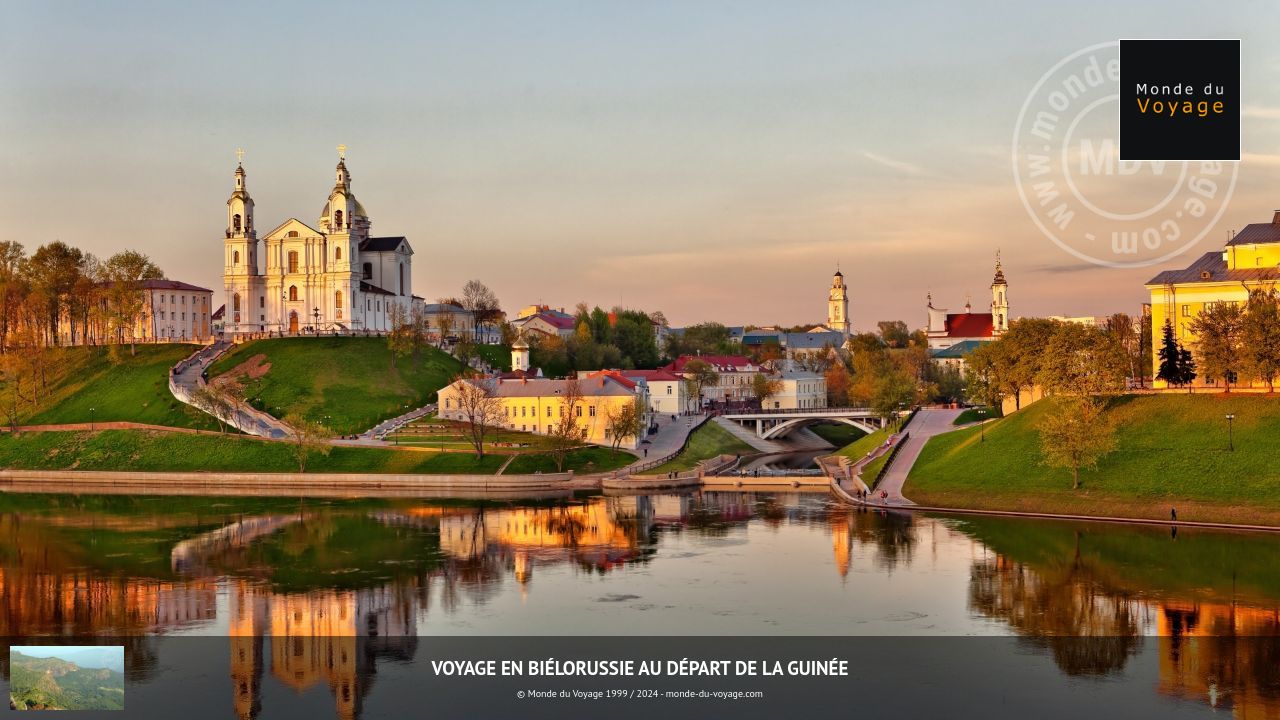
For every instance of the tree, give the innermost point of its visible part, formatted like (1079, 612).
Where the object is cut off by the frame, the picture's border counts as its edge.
(54, 270)
(1075, 435)
(1081, 360)
(479, 407)
(894, 391)
(1260, 336)
(698, 375)
(627, 420)
(1120, 327)
(309, 438)
(837, 385)
(1186, 367)
(481, 302)
(1219, 349)
(565, 433)
(894, 333)
(13, 288)
(1170, 356)
(126, 297)
(981, 383)
(214, 403)
(764, 387)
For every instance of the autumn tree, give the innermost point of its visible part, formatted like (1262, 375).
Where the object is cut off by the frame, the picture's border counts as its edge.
(1081, 360)
(624, 421)
(698, 376)
(124, 274)
(837, 385)
(1260, 336)
(764, 387)
(210, 401)
(1076, 435)
(308, 438)
(1219, 347)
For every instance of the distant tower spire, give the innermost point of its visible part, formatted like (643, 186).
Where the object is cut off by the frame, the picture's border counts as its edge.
(999, 300)
(838, 304)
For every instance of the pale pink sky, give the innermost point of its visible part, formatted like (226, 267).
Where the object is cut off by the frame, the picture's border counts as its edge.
(711, 160)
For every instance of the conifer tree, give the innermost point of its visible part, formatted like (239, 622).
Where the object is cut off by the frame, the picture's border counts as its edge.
(1170, 356)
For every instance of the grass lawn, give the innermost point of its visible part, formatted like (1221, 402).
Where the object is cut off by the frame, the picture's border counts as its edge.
(132, 388)
(159, 452)
(863, 445)
(873, 467)
(585, 460)
(347, 384)
(707, 441)
(838, 434)
(1171, 451)
(972, 415)
(498, 356)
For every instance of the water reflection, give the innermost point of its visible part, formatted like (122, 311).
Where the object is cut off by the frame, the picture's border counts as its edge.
(318, 594)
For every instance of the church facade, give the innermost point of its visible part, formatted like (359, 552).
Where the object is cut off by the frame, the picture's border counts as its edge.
(946, 329)
(334, 277)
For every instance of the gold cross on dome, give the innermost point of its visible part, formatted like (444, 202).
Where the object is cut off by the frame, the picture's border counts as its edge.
(239, 154)
(342, 152)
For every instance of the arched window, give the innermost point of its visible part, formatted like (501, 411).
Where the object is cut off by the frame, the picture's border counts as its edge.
(337, 299)
(293, 293)
(235, 222)
(235, 302)
(401, 278)
(337, 253)
(368, 271)
(235, 257)
(293, 261)
(337, 219)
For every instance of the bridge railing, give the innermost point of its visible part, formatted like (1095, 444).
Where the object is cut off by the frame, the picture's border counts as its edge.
(802, 411)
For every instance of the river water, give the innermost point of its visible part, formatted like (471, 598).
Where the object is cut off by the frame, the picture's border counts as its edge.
(703, 563)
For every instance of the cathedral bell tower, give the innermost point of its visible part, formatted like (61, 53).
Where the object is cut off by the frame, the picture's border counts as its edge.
(241, 242)
(838, 305)
(999, 301)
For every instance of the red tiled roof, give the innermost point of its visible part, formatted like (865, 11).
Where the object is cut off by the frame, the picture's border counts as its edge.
(658, 375)
(172, 285)
(969, 325)
(612, 375)
(719, 362)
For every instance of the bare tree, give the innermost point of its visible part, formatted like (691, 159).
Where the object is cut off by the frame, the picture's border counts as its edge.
(479, 408)
(624, 422)
(566, 433)
(481, 302)
(214, 403)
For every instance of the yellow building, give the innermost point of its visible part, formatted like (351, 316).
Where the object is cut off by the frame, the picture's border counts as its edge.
(1248, 261)
(537, 404)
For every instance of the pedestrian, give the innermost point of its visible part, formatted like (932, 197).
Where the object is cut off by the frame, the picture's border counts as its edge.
(1173, 513)
(646, 452)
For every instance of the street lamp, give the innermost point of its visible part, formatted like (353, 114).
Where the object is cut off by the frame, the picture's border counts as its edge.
(982, 426)
(1231, 445)
(91, 419)
(315, 326)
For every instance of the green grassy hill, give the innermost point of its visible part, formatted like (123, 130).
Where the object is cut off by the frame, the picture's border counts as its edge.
(147, 451)
(87, 385)
(55, 684)
(1171, 451)
(706, 442)
(347, 384)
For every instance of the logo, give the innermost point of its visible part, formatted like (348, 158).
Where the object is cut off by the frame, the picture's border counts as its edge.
(1078, 191)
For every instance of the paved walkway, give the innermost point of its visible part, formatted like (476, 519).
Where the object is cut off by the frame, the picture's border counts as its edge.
(188, 376)
(926, 423)
(669, 438)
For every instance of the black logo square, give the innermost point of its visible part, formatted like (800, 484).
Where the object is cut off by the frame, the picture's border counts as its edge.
(1180, 100)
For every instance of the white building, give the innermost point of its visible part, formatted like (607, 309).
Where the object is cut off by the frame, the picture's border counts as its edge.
(800, 389)
(333, 277)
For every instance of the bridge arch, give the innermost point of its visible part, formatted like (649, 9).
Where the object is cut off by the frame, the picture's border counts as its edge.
(785, 428)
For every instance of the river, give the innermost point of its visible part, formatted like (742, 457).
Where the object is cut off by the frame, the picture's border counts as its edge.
(703, 563)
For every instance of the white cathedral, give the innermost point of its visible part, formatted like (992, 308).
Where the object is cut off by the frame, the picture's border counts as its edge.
(336, 278)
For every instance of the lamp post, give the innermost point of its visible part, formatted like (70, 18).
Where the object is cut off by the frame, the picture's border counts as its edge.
(1231, 445)
(91, 419)
(982, 426)
(315, 326)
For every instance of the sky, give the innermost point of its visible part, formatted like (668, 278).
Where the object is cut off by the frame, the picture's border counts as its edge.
(712, 160)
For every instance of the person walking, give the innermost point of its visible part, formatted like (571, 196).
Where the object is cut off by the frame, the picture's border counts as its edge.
(1173, 514)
